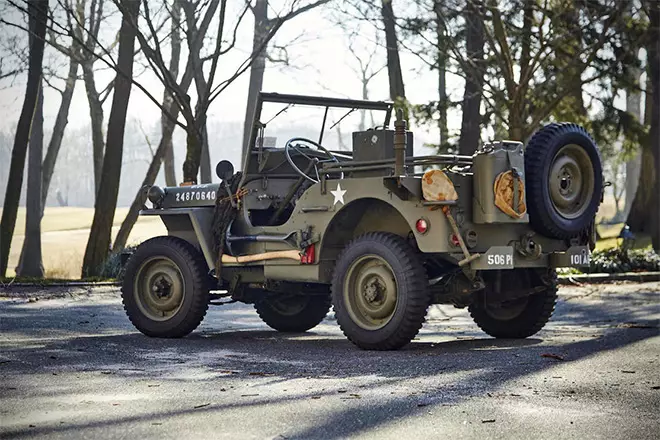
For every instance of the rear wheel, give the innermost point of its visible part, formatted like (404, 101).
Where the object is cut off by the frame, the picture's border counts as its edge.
(516, 318)
(380, 292)
(294, 313)
(165, 289)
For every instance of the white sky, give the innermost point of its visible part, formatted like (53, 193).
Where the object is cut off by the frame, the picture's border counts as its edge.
(322, 65)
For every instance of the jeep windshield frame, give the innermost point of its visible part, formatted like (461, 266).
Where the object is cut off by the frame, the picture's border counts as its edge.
(315, 101)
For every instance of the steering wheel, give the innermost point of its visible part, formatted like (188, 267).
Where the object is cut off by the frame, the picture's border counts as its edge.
(314, 161)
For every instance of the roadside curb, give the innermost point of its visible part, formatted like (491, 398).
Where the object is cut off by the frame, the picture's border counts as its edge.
(598, 278)
(8, 286)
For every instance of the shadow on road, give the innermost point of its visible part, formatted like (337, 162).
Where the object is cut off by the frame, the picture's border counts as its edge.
(89, 338)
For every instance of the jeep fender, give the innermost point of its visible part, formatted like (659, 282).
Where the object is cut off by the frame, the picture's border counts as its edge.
(193, 225)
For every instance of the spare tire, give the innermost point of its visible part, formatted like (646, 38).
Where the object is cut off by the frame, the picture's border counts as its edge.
(564, 180)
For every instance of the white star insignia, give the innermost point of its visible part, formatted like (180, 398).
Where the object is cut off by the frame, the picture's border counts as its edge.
(339, 194)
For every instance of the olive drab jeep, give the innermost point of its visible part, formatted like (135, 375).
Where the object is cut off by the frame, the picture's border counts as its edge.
(370, 229)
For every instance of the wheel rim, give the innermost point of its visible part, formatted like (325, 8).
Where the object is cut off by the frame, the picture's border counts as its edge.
(508, 310)
(370, 292)
(571, 181)
(289, 306)
(159, 288)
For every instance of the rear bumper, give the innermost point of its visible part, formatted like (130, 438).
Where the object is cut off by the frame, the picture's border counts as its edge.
(506, 257)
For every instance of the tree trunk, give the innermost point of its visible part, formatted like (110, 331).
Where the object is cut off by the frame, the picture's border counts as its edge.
(167, 126)
(193, 155)
(634, 164)
(442, 73)
(30, 262)
(168, 162)
(96, 116)
(471, 118)
(37, 9)
(61, 120)
(106, 200)
(397, 90)
(644, 216)
(653, 51)
(205, 164)
(257, 69)
(165, 144)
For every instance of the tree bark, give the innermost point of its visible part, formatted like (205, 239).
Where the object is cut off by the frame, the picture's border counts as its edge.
(96, 116)
(644, 216)
(260, 12)
(634, 164)
(397, 90)
(471, 118)
(61, 121)
(39, 10)
(165, 144)
(175, 41)
(30, 262)
(98, 244)
(442, 73)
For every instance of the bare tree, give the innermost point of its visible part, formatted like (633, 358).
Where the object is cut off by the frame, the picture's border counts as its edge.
(30, 262)
(106, 198)
(474, 55)
(39, 10)
(644, 215)
(397, 89)
(261, 36)
(167, 126)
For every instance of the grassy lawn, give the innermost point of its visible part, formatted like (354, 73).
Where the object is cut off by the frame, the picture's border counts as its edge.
(65, 231)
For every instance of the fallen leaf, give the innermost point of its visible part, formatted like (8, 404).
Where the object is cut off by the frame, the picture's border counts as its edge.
(259, 373)
(316, 397)
(488, 421)
(201, 406)
(342, 391)
(552, 356)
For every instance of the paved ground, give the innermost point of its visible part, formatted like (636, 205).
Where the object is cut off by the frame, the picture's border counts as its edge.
(72, 366)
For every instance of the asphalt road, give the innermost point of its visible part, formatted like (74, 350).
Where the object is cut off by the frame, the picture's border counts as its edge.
(71, 366)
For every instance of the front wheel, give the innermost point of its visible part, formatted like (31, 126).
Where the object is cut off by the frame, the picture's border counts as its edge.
(380, 291)
(166, 288)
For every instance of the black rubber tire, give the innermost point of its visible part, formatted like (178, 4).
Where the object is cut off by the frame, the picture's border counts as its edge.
(196, 291)
(413, 296)
(311, 314)
(530, 321)
(539, 155)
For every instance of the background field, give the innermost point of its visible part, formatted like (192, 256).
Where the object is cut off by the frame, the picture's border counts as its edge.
(64, 233)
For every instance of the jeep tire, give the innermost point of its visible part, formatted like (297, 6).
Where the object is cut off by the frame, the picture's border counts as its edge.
(166, 288)
(515, 319)
(379, 291)
(564, 180)
(296, 313)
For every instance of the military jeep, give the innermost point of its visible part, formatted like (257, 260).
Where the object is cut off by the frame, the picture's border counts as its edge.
(373, 230)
